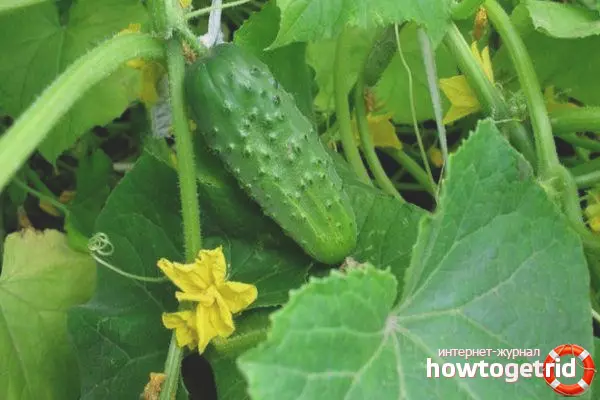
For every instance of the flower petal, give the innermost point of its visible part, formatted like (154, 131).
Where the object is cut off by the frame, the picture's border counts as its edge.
(486, 63)
(462, 99)
(238, 295)
(185, 327)
(211, 265)
(221, 317)
(204, 327)
(182, 275)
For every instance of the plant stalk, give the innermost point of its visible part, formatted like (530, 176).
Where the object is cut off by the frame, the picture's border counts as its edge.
(342, 110)
(368, 147)
(581, 119)
(547, 157)
(190, 209)
(413, 169)
(488, 95)
(34, 124)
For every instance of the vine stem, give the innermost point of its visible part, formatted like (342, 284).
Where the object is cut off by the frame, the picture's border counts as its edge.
(413, 169)
(208, 10)
(547, 158)
(587, 180)
(188, 191)
(34, 124)
(342, 110)
(581, 119)
(489, 97)
(368, 147)
(51, 200)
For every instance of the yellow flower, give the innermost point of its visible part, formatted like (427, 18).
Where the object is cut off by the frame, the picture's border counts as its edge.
(462, 98)
(382, 131)
(204, 283)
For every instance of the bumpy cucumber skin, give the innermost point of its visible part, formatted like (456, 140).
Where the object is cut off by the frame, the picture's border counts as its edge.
(272, 150)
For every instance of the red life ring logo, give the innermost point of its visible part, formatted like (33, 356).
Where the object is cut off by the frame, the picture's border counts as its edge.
(550, 368)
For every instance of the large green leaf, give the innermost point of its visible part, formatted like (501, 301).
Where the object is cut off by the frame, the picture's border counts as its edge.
(287, 63)
(578, 78)
(41, 278)
(565, 21)
(495, 267)
(119, 334)
(305, 20)
(38, 45)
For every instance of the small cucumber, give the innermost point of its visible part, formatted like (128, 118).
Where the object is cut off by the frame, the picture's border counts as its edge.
(272, 150)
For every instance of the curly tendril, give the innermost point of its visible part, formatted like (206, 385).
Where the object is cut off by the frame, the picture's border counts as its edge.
(100, 245)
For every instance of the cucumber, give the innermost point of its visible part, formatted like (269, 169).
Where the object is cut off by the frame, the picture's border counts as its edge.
(272, 150)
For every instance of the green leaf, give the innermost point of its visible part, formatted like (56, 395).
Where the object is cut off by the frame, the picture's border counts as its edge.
(306, 20)
(578, 78)
(392, 90)
(92, 190)
(41, 278)
(8, 5)
(383, 222)
(249, 331)
(495, 229)
(565, 21)
(37, 46)
(287, 63)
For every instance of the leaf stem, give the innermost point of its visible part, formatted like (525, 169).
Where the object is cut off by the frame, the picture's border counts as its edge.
(190, 209)
(342, 110)
(545, 148)
(206, 10)
(368, 147)
(488, 95)
(411, 96)
(51, 200)
(34, 124)
(581, 119)
(434, 92)
(413, 169)
(587, 180)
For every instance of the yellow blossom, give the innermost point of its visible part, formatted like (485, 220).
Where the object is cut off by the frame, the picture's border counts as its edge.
(204, 284)
(462, 98)
(185, 3)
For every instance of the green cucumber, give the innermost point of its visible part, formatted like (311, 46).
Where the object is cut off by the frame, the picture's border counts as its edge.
(272, 150)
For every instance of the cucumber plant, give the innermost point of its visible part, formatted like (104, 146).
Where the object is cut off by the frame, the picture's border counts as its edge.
(336, 201)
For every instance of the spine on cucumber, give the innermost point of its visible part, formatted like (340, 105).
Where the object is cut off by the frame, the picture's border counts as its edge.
(272, 150)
